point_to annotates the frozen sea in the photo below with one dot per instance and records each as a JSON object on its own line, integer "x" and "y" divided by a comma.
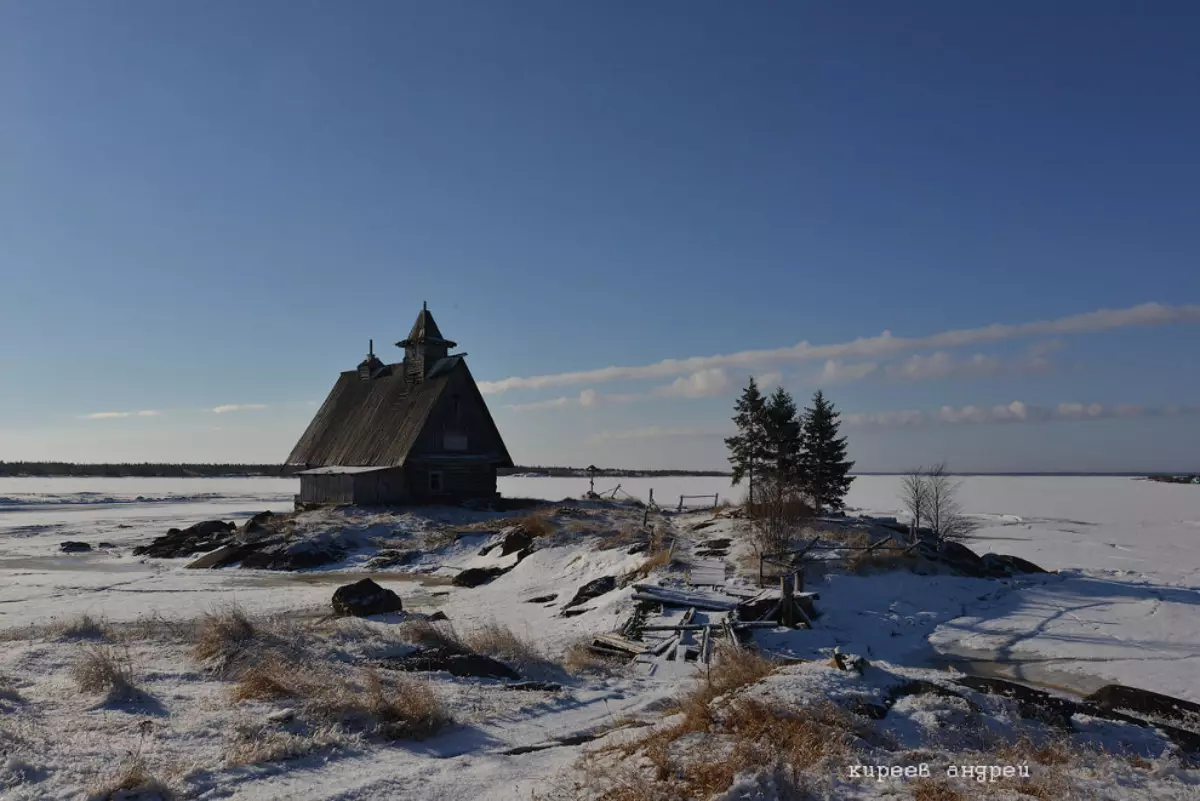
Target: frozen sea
{"x": 1124, "y": 606}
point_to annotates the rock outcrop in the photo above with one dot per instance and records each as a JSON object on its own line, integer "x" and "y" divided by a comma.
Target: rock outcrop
{"x": 365, "y": 598}
{"x": 206, "y": 536}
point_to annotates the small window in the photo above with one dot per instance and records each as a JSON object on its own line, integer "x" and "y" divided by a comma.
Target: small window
{"x": 435, "y": 481}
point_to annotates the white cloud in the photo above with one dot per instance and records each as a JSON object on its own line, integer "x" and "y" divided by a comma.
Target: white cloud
{"x": 701, "y": 384}
{"x": 113, "y": 415}
{"x": 836, "y": 371}
{"x": 588, "y": 399}
{"x": 654, "y": 432}
{"x": 1017, "y": 412}
{"x": 237, "y": 407}
{"x": 868, "y": 347}
{"x": 769, "y": 380}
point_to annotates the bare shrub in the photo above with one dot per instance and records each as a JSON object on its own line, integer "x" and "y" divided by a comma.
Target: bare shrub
{"x": 654, "y": 561}
{"x": 133, "y": 780}
{"x": 731, "y": 670}
{"x": 777, "y": 515}
{"x": 104, "y": 669}
{"x": 931, "y": 496}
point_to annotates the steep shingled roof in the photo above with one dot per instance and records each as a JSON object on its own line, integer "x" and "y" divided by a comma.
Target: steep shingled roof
{"x": 375, "y": 422}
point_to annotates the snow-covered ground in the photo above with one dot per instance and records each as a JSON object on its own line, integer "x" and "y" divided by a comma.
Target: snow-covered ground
{"x": 1122, "y": 608}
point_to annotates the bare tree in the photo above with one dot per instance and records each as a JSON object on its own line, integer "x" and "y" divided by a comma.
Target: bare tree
{"x": 914, "y": 494}
{"x": 930, "y": 496}
{"x": 942, "y": 508}
{"x": 778, "y": 513}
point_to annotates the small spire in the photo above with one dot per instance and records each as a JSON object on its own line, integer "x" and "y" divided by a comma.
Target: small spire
{"x": 371, "y": 347}
{"x": 424, "y": 305}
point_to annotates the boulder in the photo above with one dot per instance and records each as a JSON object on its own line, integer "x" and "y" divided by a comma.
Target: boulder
{"x": 1002, "y": 565}
{"x": 542, "y": 599}
{"x": 73, "y": 546}
{"x": 206, "y": 536}
{"x": 474, "y": 576}
{"x": 456, "y": 663}
{"x": 593, "y": 589}
{"x": 515, "y": 539}
{"x": 365, "y": 598}
{"x": 108, "y": 545}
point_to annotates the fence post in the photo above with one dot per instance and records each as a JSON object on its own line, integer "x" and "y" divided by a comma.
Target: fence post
{"x": 680, "y": 503}
{"x": 651, "y": 503}
{"x": 761, "y": 582}
{"x": 787, "y": 604}
{"x": 716, "y": 503}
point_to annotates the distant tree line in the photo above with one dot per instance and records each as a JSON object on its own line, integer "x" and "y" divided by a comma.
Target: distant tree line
{"x": 143, "y": 470}
{"x": 159, "y": 470}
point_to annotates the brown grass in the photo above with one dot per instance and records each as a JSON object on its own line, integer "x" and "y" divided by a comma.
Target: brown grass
{"x": 580, "y": 660}
{"x": 538, "y": 525}
{"x": 133, "y": 780}
{"x": 224, "y": 638}
{"x": 629, "y": 534}
{"x": 400, "y": 708}
{"x": 503, "y": 643}
{"x": 935, "y": 790}
{"x": 105, "y": 670}
{"x": 254, "y": 746}
{"x": 431, "y": 635}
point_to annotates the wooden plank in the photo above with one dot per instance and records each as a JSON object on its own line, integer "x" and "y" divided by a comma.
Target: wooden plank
{"x": 620, "y": 643}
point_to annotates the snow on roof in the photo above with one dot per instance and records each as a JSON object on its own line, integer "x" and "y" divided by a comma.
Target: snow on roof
{"x": 334, "y": 470}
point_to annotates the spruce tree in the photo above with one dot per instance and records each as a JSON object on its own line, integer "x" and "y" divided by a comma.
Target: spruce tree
{"x": 748, "y": 448}
{"x": 826, "y": 471}
{"x": 784, "y": 439}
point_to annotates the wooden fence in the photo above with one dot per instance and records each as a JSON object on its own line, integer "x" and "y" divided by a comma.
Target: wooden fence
{"x": 682, "y": 498}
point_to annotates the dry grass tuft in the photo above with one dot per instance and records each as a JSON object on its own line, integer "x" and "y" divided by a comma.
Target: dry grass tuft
{"x": 104, "y": 669}
{"x": 133, "y": 781}
{"x": 876, "y": 561}
{"x": 629, "y": 534}
{"x": 224, "y": 639}
{"x": 653, "y": 562}
{"x": 537, "y": 525}
{"x": 81, "y": 627}
{"x": 431, "y": 635}
{"x": 506, "y": 645}
{"x": 400, "y": 708}
{"x": 580, "y": 660}
{"x": 731, "y": 670}
{"x": 255, "y": 745}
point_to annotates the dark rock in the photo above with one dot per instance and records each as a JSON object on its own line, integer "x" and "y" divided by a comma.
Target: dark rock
{"x": 516, "y": 539}
{"x": 593, "y": 589}
{"x": 1003, "y": 565}
{"x": 455, "y": 662}
{"x": 124, "y": 525}
{"x": 105, "y": 545}
{"x": 718, "y": 544}
{"x": 73, "y": 546}
{"x": 542, "y": 599}
{"x": 873, "y": 711}
{"x": 956, "y": 556}
{"x": 1031, "y": 703}
{"x": 641, "y": 547}
{"x": 436, "y": 616}
{"x": 365, "y": 598}
{"x": 524, "y": 552}
{"x": 537, "y": 686}
{"x": 710, "y": 553}
{"x": 474, "y": 576}
{"x": 257, "y": 525}
{"x": 1145, "y": 703}
{"x": 574, "y": 612}
{"x": 391, "y": 558}
{"x": 284, "y": 555}
{"x": 206, "y": 536}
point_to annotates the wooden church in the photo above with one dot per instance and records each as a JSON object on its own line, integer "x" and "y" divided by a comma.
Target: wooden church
{"x": 417, "y": 431}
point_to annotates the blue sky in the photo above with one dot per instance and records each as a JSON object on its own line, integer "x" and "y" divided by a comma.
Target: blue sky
{"x": 212, "y": 205}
